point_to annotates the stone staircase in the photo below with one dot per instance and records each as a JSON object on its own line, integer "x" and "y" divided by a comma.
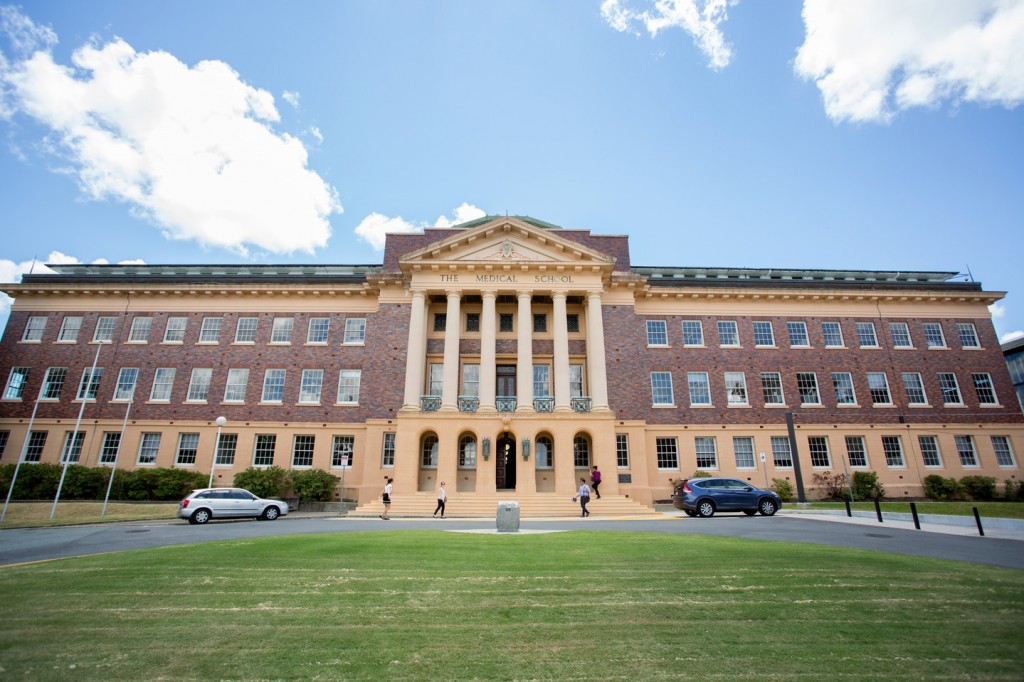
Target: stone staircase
{"x": 422, "y": 504}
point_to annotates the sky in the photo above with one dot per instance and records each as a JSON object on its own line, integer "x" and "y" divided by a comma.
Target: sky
{"x": 824, "y": 134}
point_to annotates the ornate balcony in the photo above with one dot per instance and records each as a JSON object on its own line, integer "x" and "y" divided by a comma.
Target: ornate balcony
{"x": 430, "y": 403}
{"x": 506, "y": 403}
{"x": 544, "y": 404}
{"x": 468, "y": 403}
{"x": 581, "y": 404}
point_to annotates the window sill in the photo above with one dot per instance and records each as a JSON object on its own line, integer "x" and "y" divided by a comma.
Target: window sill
{"x": 989, "y": 405}
{"x": 917, "y": 405}
{"x": 847, "y": 405}
{"x": 172, "y": 343}
{"x": 346, "y": 404}
{"x": 953, "y": 405}
{"x": 353, "y": 343}
{"x": 664, "y": 407}
{"x": 243, "y": 343}
{"x": 739, "y": 405}
{"x": 776, "y": 405}
{"x": 31, "y": 341}
{"x": 270, "y": 403}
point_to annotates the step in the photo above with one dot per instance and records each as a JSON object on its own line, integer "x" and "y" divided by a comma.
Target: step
{"x": 419, "y": 505}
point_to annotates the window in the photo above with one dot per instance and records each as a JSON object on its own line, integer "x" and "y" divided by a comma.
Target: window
{"x": 968, "y": 335}
{"x": 105, "y": 327}
{"x": 736, "y": 388}
{"x": 126, "y": 380}
{"x": 833, "y": 333}
{"x": 387, "y": 451}
{"x": 440, "y": 322}
{"x": 893, "y": 451}
{"x": 471, "y": 380}
{"x": 282, "y": 330}
{"x": 540, "y": 323}
{"x": 856, "y": 454}
{"x": 467, "y": 452}
{"x": 341, "y": 451}
{"x": 302, "y": 451}
{"x": 541, "y": 381}
{"x": 34, "y": 329}
{"x": 263, "y": 453}
{"x": 965, "y": 448}
{"x": 728, "y": 334}
{"x": 355, "y": 331}
{"x": 744, "y": 449}
{"x": 90, "y": 384}
{"x": 693, "y": 333}
{"x": 1004, "y": 453}
{"x": 866, "y": 335}
{"x": 914, "y": 387}
{"x": 657, "y": 333}
{"x": 843, "y": 383}
{"x": 311, "y": 386}
{"x": 245, "y": 332}
{"x": 950, "y": 389}
{"x": 575, "y": 381}
{"x": 807, "y": 382}
{"x": 818, "y": 445}
{"x": 668, "y": 453}
{"x": 798, "y": 334}
{"x": 428, "y": 451}
{"x": 661, "y": 388}
{"x": 175, "y": 331}
{"x": 199, "y": 385}
{"x": 69, "y": 329}
{"x": 984, "y": 389}
{"x": 472, "y": 322}
{"x": 16, "y": 383}
{"x": 933, "y": 335}
{"x": 707, "y": 452}
{"x": 72, "y": 450}
{"x": 572, "y": 322}
{"x": 36, "y": 443}
{"x": 505, "y": 322}
{"x": 348, "y": 386}
{"x": 621, "y": 450}
{"x": 930, "y": 451}
{"x": 273, "y": 385}
{"x": 318, "y": 331}
{"x": 163, "y": 382}
{"x": 545, "y": 452}
{"x": 149, "y": 448}
{"x": 4, "y": 437}
{"x": 110, "y": 448}
{"x": 782, "y": 455}
{"x": 771, "y": 384}
{"x": 53, "y": 383}
{"x": 188, "y": 446}
{"x": 764, "y": 335}
{"x": 900, "y": 333}
{"x": 436, "y": 382}
{"x": 878, "y": 383}
{"x": 226, "y": 446}
{"x": 700, "y": 388}
{"x": 234, "y": 390}
{"x": 581, "y": 452}
{"x": 210, "y": 331}
{"x": 140, "y": 330}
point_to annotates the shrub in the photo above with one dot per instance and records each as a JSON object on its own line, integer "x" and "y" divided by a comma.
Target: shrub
{"x": 979, "y": 487}
{"x": 702, "y": 474}
{"x": 1014, "y": 490}
{"x": 85, "y": 483}
{"x": 941, "y": 488}
{"x": 866, "y": 485}
{"x": 833, "y": 485}
{"x": 35, "y": 481}
{"x": 269, "y": 482}
{"x": 784, "y": 489}
{"x": 313, "y": 485}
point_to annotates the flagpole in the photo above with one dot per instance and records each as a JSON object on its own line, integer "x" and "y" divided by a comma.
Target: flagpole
{"x": 24, "y": 451}
{"x": 117, "y": 455}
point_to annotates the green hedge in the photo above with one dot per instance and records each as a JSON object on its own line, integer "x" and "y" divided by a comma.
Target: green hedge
{"x": 40, "y": 481}
{"x": 314, "y": 485}
{"x": 271, "y": 482}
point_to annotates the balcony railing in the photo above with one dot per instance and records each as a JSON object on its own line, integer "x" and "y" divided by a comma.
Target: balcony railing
{"x": 506, "y": 403}
{"x": 468, "y": 403}
{"x": 581, "y": 404}
{"x": 544, "y": 404}
{"x": 430, "y": 403}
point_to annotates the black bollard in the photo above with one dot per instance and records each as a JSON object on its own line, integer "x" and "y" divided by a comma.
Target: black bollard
{"x": 977, "y": 519}
{"x": 848, "y": 512}
{"x": 913, "y": 511}
{"x": 878, "y": 510}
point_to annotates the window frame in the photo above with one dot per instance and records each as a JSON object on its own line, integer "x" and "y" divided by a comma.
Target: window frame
{"x": 891, "y": 452}
{"x": 209, "y": 332}
{"x": 736, "y": 389}
{"x": 734, "y": 334}
{"x": 17, "y": 380}
{"x": 355, "y": 331}
{"x": 844, "y": 390}
{"x": 173, "y": 372}
{"x": 818, "y": 450}
{"x": 107, "y": 325}
{"x": 653, "y": 334}
{"x": 70, "y": 328}
{"x": 801, "y": 335}
{"x": 32, "y": 333}
{"x": 876, "y": 390}
{"x": 667, "y": 453}
{"x": 971, "y": 333}
{"x": 274, "y": 380}
{"x": 946, "y": 388}
{"x": 172, "y": 331}
{"x": 318, "y": 331}
{"x": 836, "y": 331}
{"x": 931, "y": 454}
{"x": 655, "y": 388}
{"x": 142, "y": 325}
{"x": 705, "y": 449}
{"x": 343, "y": 447}
{"x": 736, "y": 440}
{"x": 242, "y": 330}
{"x": 232, "y": 387}
{"x": 198, "y": 387}
{"x": 804, "y": 385}
{"x": 307, "y": 441}
{"x": 693, "y": 336}
{"x": 867, "y": 335}
{"x": 311, "y": 383}
{"x": 759, "y": 327}
{"x": 349, "y": 373}
{"x": 860, "y": 450}
{"x": 767, "y": 390}
{"x": 901, "y": 338}
{"x": 278, "y": 332}
{"x": 984, "y": 389}
{"x": 932, "y": 341}
{"x": 913, "y": 391}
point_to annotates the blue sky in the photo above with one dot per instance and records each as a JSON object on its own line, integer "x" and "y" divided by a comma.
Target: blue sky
{"x": 818, "y": 134}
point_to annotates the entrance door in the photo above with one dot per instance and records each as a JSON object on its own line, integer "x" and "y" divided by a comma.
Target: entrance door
{"x": 505, "y": 468}
{"x": 506, "y": 381}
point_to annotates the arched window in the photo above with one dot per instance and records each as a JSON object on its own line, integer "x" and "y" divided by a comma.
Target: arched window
{"x": 429, "y": 451}
{"x": 467, "y": 452}
{"x": 545, "y": 452}
{"x": 581, "y": 452}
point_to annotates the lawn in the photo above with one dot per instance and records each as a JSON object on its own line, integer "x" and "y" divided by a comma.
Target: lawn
{"x": 30, "y": 514}
{"x": 584, "y": 605}
{"x": 1006, "y": 510}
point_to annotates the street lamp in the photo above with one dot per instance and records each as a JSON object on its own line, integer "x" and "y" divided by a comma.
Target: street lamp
{"x": 221, "y": 421}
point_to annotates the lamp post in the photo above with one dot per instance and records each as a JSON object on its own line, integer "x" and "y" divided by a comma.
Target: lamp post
{"x": 221, "y": 421}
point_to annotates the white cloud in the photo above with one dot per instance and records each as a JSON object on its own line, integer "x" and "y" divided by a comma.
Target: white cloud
{"x": 1011, "y": 336}
{"x": 315, "y": 132}
{"x": 997, "y": 310}
{"x": 874, "y": 58}
{"x": 699, "y": 18}
{"x": 375, "y": 226}
{"x": 192, "y": 149}
{"x": 291, "y": 97}
{"x": 463, "y": 214}
{"x": 25, "y": 35}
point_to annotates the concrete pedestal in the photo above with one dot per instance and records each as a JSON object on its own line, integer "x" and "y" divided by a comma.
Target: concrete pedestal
{"x": 508, "y": 517}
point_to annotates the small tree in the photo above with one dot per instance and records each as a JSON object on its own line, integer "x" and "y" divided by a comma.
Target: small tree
{"x": 866, "y": 485}
{"x": 833, "y": 485}
{"x": 784, "y": 489}
{"x": 269, "y": 482}
{"x": 701, "y": 474}
{"x": 979, "y": 487}
{"x": 314, "y": 485}
{"x": 941, "y": 488}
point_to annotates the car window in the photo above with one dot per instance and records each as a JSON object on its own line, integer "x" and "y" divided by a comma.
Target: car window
{"x": 203, "y": 495}
{"x": 738, "y": 485}
{"x": 220, "y": 495}
{"x": 241, "y": 495}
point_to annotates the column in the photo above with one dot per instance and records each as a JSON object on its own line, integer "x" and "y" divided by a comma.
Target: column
{"x": 488, "y": 343}
{"x": 561, "y": 368}
{"x": 524, "y": 358}
{"x": 450, "y": 390}
{"x": 417, "y": 356}
{"x": 596, "y": 363}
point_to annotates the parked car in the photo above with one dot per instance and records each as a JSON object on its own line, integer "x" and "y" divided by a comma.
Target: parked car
{"x": 705, "y": 496}
{"x": 228, "y": 503}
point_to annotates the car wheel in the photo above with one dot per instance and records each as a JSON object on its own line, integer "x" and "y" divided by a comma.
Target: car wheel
{"x": 749, "y": 512}
{"x": 768, "y": 507}
{"x": 271, "y": 513}
{"x": 706, "y": 508}
{"x": 690, "y": 512}
{"x": 200, "y": 516}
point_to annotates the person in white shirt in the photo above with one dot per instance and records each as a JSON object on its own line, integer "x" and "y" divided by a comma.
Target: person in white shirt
{"x": 386, "y": 497}
{"x": 584, "y": 495}
{"x": 442, "y": 496}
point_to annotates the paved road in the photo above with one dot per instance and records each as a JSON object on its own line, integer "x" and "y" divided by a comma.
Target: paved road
{"x": 25, "y": 545}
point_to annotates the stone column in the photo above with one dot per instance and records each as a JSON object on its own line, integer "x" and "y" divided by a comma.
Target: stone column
{"x": 488, "y": 343}
{"x": 524, "y": 359}
{"x": 450, "y": 389}
{"x": 596, "y": 364}
{"x": 561, "y": 368}
{"x": 417, "y": 356}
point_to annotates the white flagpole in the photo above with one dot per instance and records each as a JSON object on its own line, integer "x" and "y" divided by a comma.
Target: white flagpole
{"x": 24, "y": 450}
{"x": 120, "y": 442}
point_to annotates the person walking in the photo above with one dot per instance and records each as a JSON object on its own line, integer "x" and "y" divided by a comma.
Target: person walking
{"x": 442, "y": 496}
{"x": 584, "y": 495}
{"x": 595, "y": 480}
{"x": 386, "y": 496}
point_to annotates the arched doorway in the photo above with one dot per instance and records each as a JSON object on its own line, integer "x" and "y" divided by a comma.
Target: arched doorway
{"x": 505, "y": 464}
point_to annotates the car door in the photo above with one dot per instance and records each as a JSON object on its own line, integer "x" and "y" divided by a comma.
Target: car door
{"x": 246, "y": 504}
{"x": 221, "y": 504}
{"x": 738, "y": 495}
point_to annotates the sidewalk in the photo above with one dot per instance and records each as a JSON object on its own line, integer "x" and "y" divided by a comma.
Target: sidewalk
{"x": 994, "y": 527}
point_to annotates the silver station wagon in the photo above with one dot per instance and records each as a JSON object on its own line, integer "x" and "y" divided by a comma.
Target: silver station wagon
{"x": 228, "y": 503}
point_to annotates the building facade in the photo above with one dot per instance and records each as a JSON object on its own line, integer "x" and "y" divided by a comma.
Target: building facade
{"x": 1013, "y": 351}
{"x": 507, "y": 357}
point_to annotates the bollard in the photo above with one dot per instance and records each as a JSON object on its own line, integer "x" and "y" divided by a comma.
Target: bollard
{"x": 878, "y": 510}
{"x": 977, "y": 519}
{"x": 913, "y": 511}
{"x": 508, "y": 517}
{"x": 848, "y": 511}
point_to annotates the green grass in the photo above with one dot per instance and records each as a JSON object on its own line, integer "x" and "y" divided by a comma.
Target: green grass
{"x": 36, "y": 514}
{"x": 1005, "y": 510}
{"x": 586, "y": 605}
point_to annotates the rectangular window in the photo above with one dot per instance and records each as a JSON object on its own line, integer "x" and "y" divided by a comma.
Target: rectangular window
{"x": 348, "y": 386}
{"x": 245, "y": 332}
{"x": 866, "y": 335}
{"x": 34, "y": 329}
{"x": 1004, "y": 453}
{"x": 175, "y": 331}
{"x": 668, "y": 453}
{"x": 700, "y": 388}
{"x": 950, "y": 389}
{"x": 72, "y": 450}
{"x": 90, "y": 384}
{"x": 263, "y": 454}
{"x": 933, "y": 335}
{"x": 110, "y": 448}
{"x": 707, "y": 452}
{"x": 541, "y": 381}
{"x": 657, "y": 333}
{"x": 930, "y": 451}
{"x": 53, "y": 383}
{"x": 436, "y": 380}
{"x": 310, "y": 387}
{"x": 341, "y": 452}
{"x": 833, "y": 333}
{"x": 355, "y": 331}
{"x": 302, "y": 451}
{"x": 234, "y": 390}
{"x": 575, "y": 381}
{"x": 622, "y": 450}
{"x": 16, "y": 383}
{"x": 856, "y": 453}
{"x": 140, "y": 330}
{"x": 965, "y": 448}
{"x": 149, "y": 448}
{"x": 807, "y": 382}
{"x": 764, "y": 335}
{"x": 387, "y": 451}
{"x": 199, "y": 385}
{"x": 968, "y": 335}
{"x": 188, "y": 446}
{"x": 661, "y": 388}
{"x": 728, "y": 333}
{"x": 736, "y": 388}
{"x": 318, "y": 331}
{"x": 843, "y": 384}
{"x": 163, "y": 382}
{"x": 472, "y": 322}
{"x": 210, "y": 331}
{"x": 540, "y": 323}
{"x": 505, "y": 323}
{"x": 984, "y": 388}
{"x": 471, "y": 380}
{"x": 572, "y": 322}
{"x": 744, "y": 449}
{"x": 273, "y": 385}
{"x": 105, "y": 327}
{"x": 226, "y": 447}
{"x": 771, "y": 384}
{"x": 797, "y": 334}
{"x": 893, "y": 451}
{"x": 282, "y": 330}
{"x": 818, "y": 446}
{"x": 914, "y": 387}
{"x": 69, "y": 329}
{"x": 440, "y": 322}
{"x": 878, "y": 383}
{"x": 693, "y": 333}
{"x": 36, "y": 443}
{"x": 126, "y": 380}
{"x": 4, "y": 437}
{"x": 900, "y": 333}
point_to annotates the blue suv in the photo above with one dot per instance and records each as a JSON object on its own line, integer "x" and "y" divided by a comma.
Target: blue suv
{"x": 705, "y": 496}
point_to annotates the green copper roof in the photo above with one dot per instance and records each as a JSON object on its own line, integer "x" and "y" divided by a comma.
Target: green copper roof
{"x": 525, "y": 218}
